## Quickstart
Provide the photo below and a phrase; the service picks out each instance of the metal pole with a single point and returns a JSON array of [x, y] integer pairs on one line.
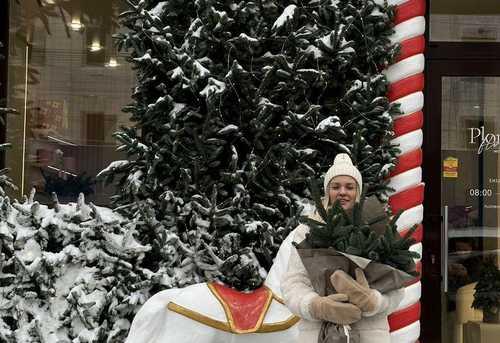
[[444, 250]]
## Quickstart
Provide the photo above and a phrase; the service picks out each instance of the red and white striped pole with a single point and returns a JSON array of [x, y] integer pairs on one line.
[[406, 88]]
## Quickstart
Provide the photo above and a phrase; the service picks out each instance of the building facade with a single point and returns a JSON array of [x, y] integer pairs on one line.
[[69, 84], [461, 163]]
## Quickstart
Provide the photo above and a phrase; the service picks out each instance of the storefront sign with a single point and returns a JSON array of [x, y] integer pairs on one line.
[[488, 141], [450, 167]]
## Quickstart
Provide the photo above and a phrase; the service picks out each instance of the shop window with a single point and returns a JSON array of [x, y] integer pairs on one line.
[[465, 20], [69, 85], [470, 196]]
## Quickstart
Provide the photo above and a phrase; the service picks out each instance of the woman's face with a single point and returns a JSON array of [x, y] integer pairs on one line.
[[343, 188]]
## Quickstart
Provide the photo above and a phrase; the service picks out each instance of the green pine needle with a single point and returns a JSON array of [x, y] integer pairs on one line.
[[347, 233]]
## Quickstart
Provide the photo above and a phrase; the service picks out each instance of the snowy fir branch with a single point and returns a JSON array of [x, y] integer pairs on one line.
[[237, 104], [71, 272], [350, 231]]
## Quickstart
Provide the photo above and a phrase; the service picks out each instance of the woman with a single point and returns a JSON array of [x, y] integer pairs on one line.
[[363, 308]]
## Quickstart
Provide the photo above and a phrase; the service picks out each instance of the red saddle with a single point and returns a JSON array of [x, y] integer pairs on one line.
[[244, 311]]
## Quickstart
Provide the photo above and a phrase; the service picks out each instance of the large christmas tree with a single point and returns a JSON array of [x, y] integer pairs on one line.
[[237, 104]]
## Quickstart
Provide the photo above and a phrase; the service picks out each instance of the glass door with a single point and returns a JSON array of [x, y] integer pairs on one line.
[[470, 199]]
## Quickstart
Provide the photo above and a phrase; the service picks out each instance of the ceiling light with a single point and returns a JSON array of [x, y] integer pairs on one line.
[[76, 25], [113, 63], [96, 46]]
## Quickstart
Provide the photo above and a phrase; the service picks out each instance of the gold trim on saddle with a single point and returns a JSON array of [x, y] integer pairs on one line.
[[229, 326]]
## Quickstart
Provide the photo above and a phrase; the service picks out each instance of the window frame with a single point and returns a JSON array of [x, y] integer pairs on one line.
[[462, 51], [4, 38]]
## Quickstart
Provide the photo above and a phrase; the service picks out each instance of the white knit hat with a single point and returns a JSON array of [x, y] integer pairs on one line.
[[342, 165]]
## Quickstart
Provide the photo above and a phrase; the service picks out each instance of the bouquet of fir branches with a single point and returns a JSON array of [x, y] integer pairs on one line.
[[364, 237]]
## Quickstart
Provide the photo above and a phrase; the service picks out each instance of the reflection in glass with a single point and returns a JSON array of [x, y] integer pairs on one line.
[[470, 189], [69, 84], [465, 21]]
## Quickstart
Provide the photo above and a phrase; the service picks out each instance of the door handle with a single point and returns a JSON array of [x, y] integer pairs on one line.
[[444, 250]]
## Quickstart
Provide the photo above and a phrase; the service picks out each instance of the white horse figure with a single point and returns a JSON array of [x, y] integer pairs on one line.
[[212, 313]]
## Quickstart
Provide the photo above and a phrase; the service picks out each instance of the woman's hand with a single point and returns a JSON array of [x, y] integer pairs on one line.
[[334, 308], [359, 292]]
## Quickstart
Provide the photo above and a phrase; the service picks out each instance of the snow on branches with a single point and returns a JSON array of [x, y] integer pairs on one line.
[[237, 105], [66, 270]]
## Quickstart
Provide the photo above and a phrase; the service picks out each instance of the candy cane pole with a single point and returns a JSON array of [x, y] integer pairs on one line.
[[406, 88]]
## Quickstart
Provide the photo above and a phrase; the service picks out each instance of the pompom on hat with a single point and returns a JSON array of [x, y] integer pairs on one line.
[[342, 165]]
